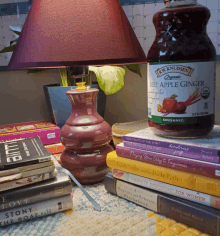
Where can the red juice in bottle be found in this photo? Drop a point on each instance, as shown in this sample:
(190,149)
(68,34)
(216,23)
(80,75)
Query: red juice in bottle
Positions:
(181,72)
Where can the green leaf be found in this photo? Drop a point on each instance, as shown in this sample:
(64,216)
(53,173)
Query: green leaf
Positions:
(110,78)
(8,49)
(134,68)
(63,75)
(173,96)
(88,78)
(70,81)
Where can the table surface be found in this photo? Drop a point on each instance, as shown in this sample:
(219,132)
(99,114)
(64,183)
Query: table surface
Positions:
(117,217)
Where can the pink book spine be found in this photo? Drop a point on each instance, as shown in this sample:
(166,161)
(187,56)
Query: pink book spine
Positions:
(178,163)
(47,136)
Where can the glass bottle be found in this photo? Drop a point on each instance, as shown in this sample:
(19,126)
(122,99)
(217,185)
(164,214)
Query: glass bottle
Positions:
(181,72)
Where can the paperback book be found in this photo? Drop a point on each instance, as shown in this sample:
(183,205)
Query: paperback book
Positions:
(187,194)
(193,166)
(26,181)
(204,149)
(167,175)
(22,152)
(22,169)
(59,186)
(200,217)
(26,174)
(36,210)
(47,131)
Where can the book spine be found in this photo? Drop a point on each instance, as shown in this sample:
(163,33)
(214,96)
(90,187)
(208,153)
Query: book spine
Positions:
(199,153)
(188,165)
(27,174)
(25,168)
(184,193)
(20,164)
(195,217)
(30,196)
(55,148)
(36,210)
(26,181)
(170,176)
(48,132)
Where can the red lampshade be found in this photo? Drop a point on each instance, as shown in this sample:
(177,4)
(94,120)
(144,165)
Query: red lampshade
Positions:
(64,33)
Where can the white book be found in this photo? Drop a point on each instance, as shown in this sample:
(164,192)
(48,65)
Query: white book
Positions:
(25,174)
(21,169)
(36,210)
(184,193)
(26,181)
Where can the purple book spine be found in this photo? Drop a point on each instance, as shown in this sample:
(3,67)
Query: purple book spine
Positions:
(175,149)
(169,161)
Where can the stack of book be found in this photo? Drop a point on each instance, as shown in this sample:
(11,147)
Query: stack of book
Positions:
(30,185)
(177,178)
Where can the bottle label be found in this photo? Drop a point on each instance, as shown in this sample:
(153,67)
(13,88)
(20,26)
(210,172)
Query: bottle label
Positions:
(180,93)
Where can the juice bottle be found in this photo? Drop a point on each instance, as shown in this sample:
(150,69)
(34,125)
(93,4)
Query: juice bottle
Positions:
(181,72)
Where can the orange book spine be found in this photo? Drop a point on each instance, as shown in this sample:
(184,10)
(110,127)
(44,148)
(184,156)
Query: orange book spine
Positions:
(167,175)
(55,148)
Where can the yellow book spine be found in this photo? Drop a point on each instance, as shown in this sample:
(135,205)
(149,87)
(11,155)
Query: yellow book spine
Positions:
(178,178)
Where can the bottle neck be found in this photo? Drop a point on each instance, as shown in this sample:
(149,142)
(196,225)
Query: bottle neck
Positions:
(177,3)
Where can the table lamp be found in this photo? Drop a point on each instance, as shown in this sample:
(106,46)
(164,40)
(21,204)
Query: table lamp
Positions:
(76,34)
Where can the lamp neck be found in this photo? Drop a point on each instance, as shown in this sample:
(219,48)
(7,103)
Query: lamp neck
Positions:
(79,73)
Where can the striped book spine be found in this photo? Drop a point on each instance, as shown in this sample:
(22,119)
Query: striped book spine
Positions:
(170,176)
(203,218)
(208,169)
(184,193)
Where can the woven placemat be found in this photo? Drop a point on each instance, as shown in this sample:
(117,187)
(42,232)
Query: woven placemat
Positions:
(118,217)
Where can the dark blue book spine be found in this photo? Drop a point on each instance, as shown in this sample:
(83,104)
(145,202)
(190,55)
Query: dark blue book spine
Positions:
(189,215)
(202,218)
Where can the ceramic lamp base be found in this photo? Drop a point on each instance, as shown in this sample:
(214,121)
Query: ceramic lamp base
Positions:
(87,167)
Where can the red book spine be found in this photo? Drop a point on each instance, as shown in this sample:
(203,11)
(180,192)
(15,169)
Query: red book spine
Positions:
(178,163)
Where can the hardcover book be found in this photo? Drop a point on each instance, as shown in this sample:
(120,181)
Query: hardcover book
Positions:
(193,166)
(36,210)
(22,152)
(203,218)
(167,175)
(26,181)
(204,149)
(37,192)
(47,131)
(187,194)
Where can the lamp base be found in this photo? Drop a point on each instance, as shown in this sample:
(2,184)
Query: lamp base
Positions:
(87,167)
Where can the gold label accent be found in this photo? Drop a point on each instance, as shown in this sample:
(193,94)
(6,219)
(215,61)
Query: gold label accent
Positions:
(174,69)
